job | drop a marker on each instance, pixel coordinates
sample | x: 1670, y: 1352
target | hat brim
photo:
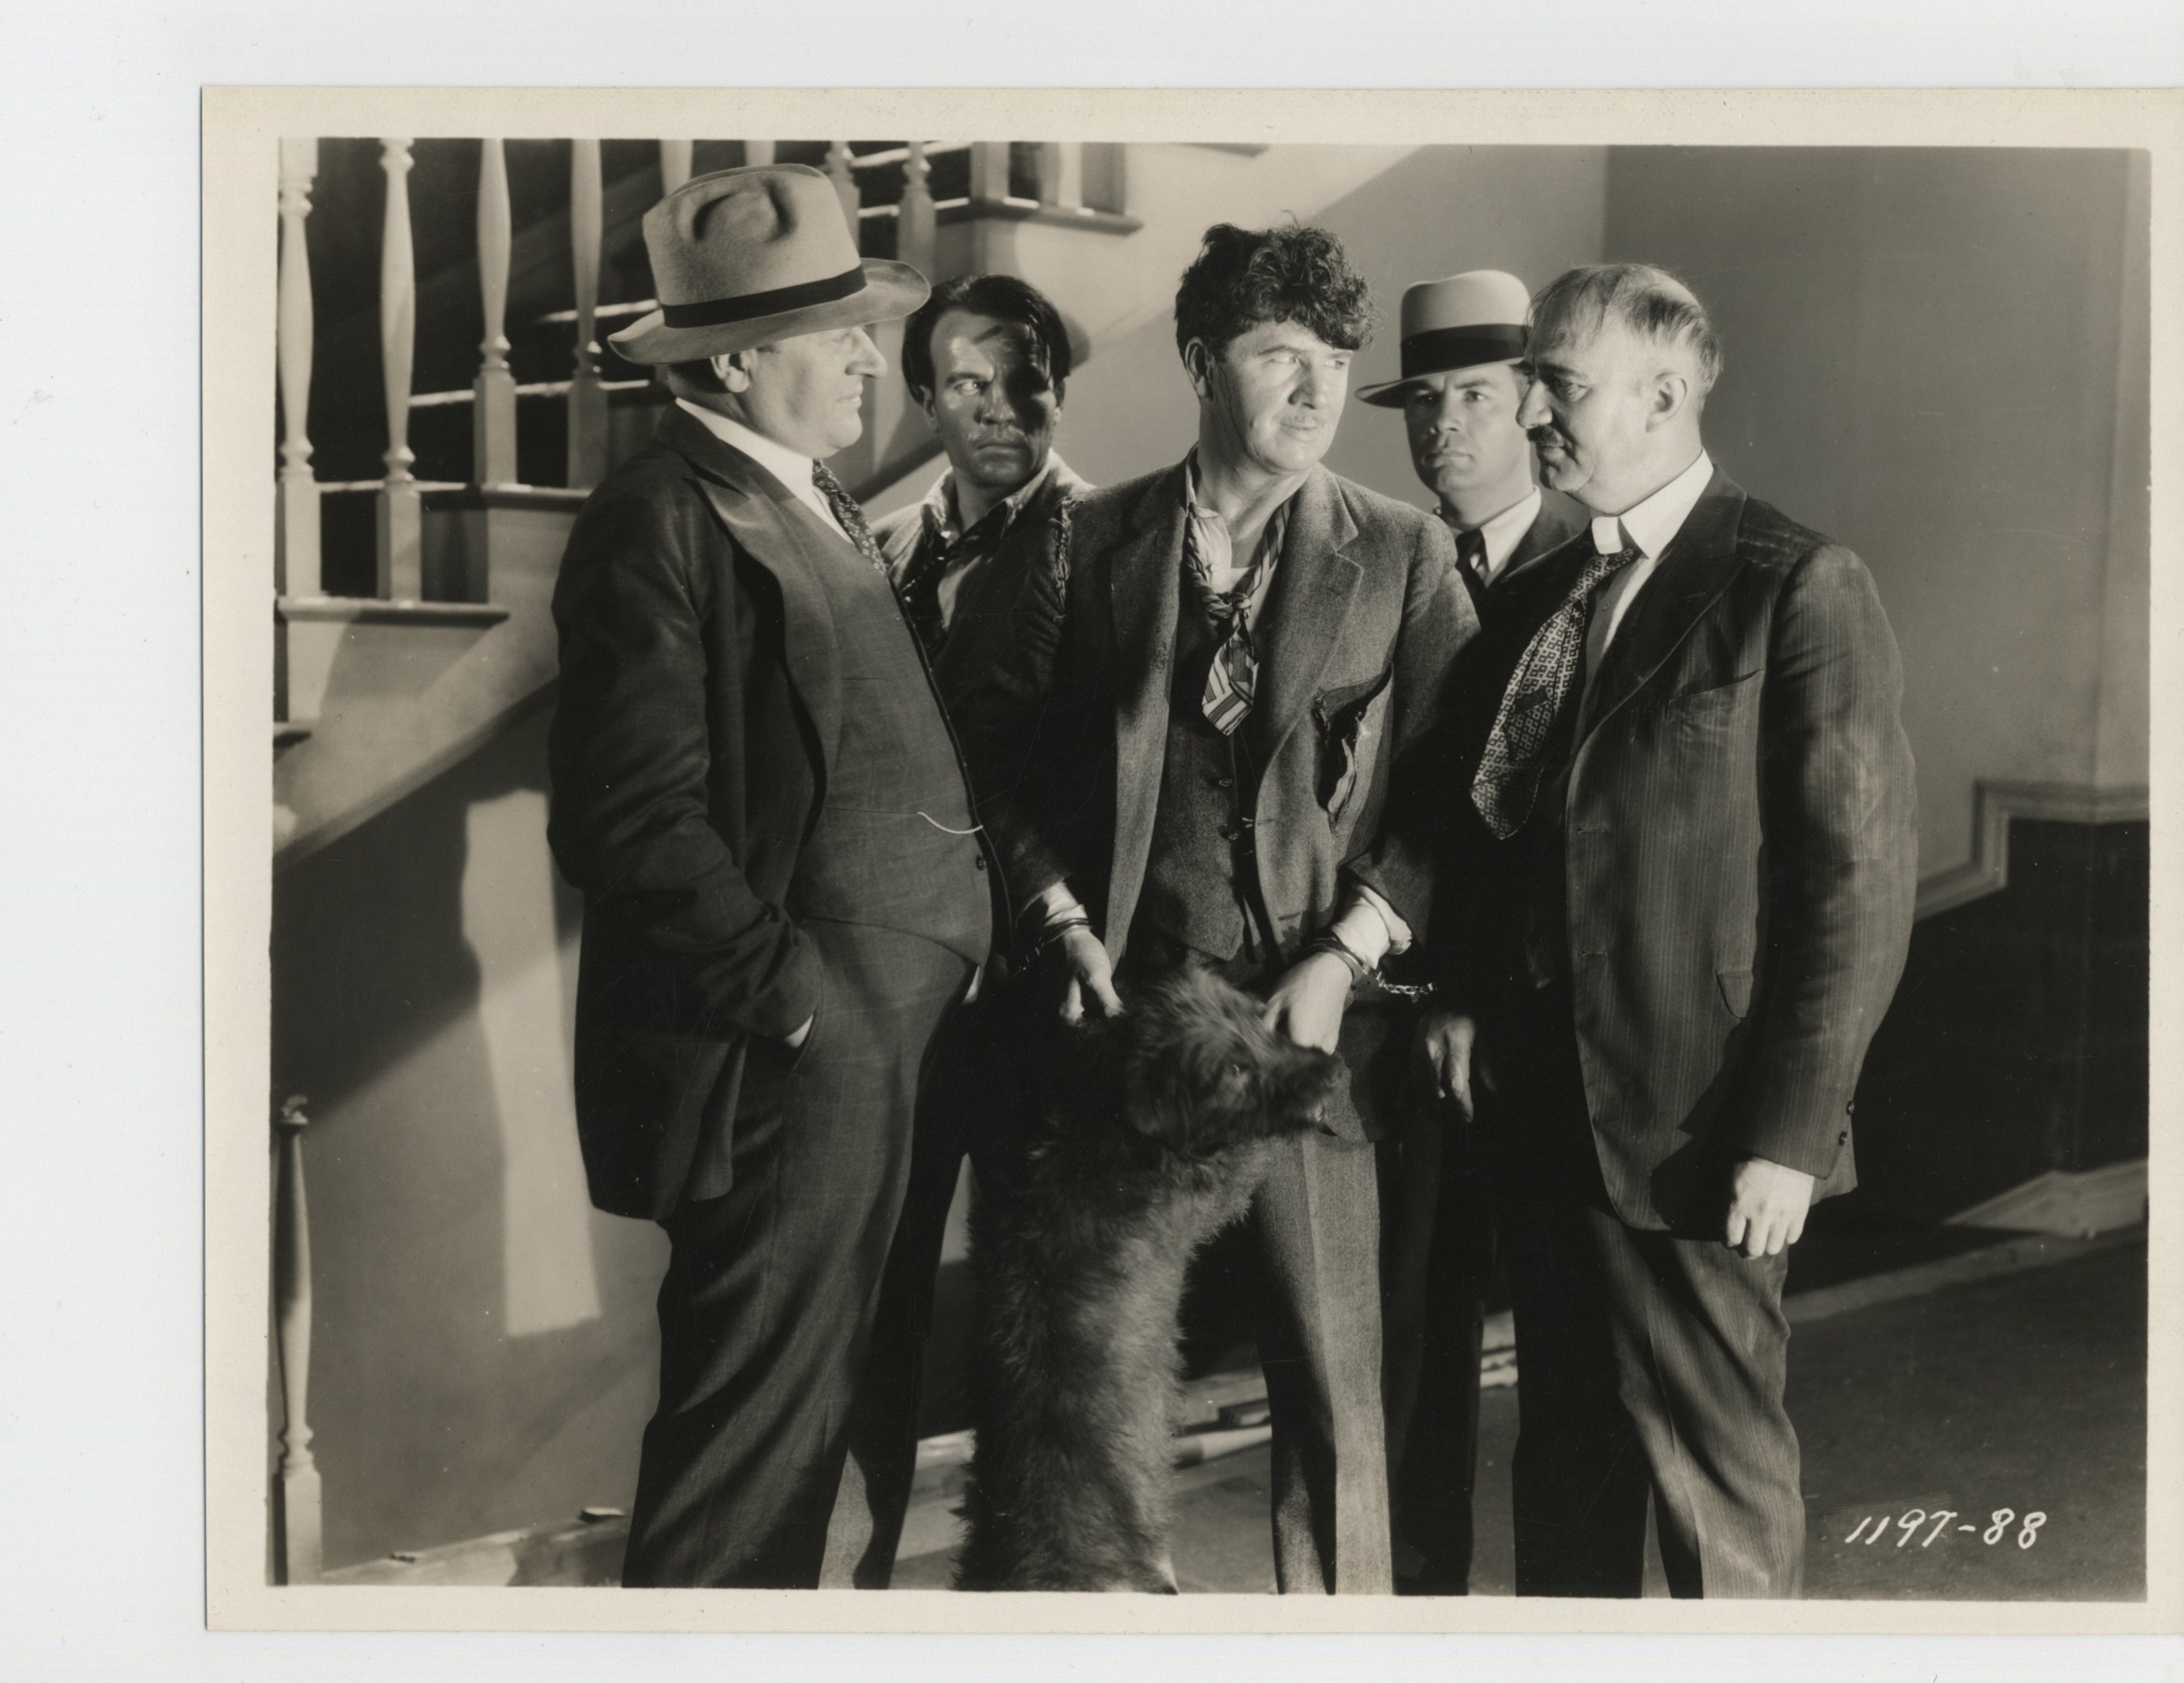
x: 1391, y: 393
x: 891, y: 291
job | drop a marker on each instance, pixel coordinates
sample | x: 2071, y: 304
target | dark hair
x: 1005, y: 299
x: 1242, y: 277
x: 1649, y: 301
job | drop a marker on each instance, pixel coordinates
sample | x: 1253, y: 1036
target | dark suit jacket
x: 986, y: 608
x: 699, y: 707
x: 1742, y: 851
x: 1067, y: 732
x: 1559, y: 521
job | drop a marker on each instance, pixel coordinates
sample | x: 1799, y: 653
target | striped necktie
x: 846, y: 511
x: 1233, y: 680
x: 1543, y: 685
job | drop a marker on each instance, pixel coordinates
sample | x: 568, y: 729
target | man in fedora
x: 758, y: 794
x: 1464, y: 337
x: 1191, y: 736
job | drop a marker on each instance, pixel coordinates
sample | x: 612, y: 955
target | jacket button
x: 1843, y: 1138
x: 979, y: 860
x: 1230, y: 832
x: 1224, y: 782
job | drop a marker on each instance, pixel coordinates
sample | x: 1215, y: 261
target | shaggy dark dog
x: 1141, y: 1139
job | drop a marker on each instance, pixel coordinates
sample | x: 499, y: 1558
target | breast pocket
x: 1347, y: 720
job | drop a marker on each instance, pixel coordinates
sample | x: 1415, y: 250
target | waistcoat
x: 1202, y: 871
x: 894, y: 843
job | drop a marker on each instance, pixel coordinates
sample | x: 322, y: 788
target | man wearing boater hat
x: 1459, y: 393
x: 1462, y: 340
x: 756, y: 788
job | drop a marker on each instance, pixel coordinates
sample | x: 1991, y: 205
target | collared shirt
x: 967, y: 552
x: 1650, y: 527
x: 1217, y: 549
x: 1503, y: 532
x: 792, y: 470
x: 1366, y: 924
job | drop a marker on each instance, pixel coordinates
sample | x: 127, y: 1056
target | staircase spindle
x: 296, y: 1492
x: 915, y: 234
x: 401, y: 513
x: 1062, y: 174
x: 990, y: 171
x: 296, y: 493
x: 845, y: 183
x: 587, y: 398
x: 674, y: 164
x: 492, y: 407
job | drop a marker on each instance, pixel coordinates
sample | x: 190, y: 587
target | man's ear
x: 733, y: 370
x: 1198, y: 364
x: 928, y: 405
x: 1671, y: 396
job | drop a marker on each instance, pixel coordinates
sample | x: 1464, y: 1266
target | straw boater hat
x: 1466, y: 319
x: 742, y: 257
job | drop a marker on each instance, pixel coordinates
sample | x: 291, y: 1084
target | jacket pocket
x: 1340, y: 715
x: 1736, y: 987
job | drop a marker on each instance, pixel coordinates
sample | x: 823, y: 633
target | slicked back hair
x: 1243, y: 277
x: 1005, y: 299
x: 1650, y: 302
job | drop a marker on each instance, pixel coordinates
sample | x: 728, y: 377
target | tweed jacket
x: 985, y: 611
x: 700, y: 703
x: 1067, y: 732
x: 1741, y: 851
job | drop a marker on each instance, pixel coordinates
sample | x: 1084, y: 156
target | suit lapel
x: 769, y: 524
x: 1144, y: 579
x: 1698, y: 566
x: 1306, y: 609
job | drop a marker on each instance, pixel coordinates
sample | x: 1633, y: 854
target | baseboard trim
x: 2073, y: 1205
x: 1996, y: 805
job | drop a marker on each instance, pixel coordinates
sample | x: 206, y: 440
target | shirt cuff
x: 1369, y: 927
x: 1055, y: 904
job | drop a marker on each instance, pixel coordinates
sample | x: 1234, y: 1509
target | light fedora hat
x: 741, y: 257
x: 1459, y: 322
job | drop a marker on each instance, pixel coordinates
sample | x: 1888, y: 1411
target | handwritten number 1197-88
x: 1908, y: 1525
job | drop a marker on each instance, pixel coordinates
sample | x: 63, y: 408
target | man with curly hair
x: 1190, y: 740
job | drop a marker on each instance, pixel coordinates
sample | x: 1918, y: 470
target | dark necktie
x: 847, y: 513
x: 1471, y: 557
x: 1544, y: 684
x: 920, y: 589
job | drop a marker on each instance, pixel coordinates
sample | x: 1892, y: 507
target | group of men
x: 1610, y: 771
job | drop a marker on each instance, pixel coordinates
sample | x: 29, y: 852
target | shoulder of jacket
x: 1766, y: 537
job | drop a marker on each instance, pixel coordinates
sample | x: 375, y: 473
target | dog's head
x: 1201, y: 1072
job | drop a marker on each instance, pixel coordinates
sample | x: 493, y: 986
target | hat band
x: 1445, y: 347
x: 720, y: 312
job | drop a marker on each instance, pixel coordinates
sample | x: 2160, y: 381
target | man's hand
x: 1443, y: 1053
x: 1084, y: 962
x: 1767, y: 1206
x: 1307, y: 1003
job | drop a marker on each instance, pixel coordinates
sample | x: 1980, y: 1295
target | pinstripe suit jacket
x: 1739, y: 853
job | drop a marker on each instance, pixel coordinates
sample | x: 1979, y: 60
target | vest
x: 1201, y: 873
x: 894, y: 843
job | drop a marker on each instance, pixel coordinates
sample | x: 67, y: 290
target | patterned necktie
x: 846, y: 511
x: 1542, y: 686
x: 1471, y: 559
x: 1233, y: 679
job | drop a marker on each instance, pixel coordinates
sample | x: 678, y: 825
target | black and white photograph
x: 1198, y: 860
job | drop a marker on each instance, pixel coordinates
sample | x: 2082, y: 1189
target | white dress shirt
x: 792, y: 470
x: 1503, y: 532
x: 1650, y: 526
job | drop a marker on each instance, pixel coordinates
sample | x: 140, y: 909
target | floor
x: 2024, y: 1393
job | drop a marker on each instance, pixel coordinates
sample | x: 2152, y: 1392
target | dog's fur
x: 1138, y: 1140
